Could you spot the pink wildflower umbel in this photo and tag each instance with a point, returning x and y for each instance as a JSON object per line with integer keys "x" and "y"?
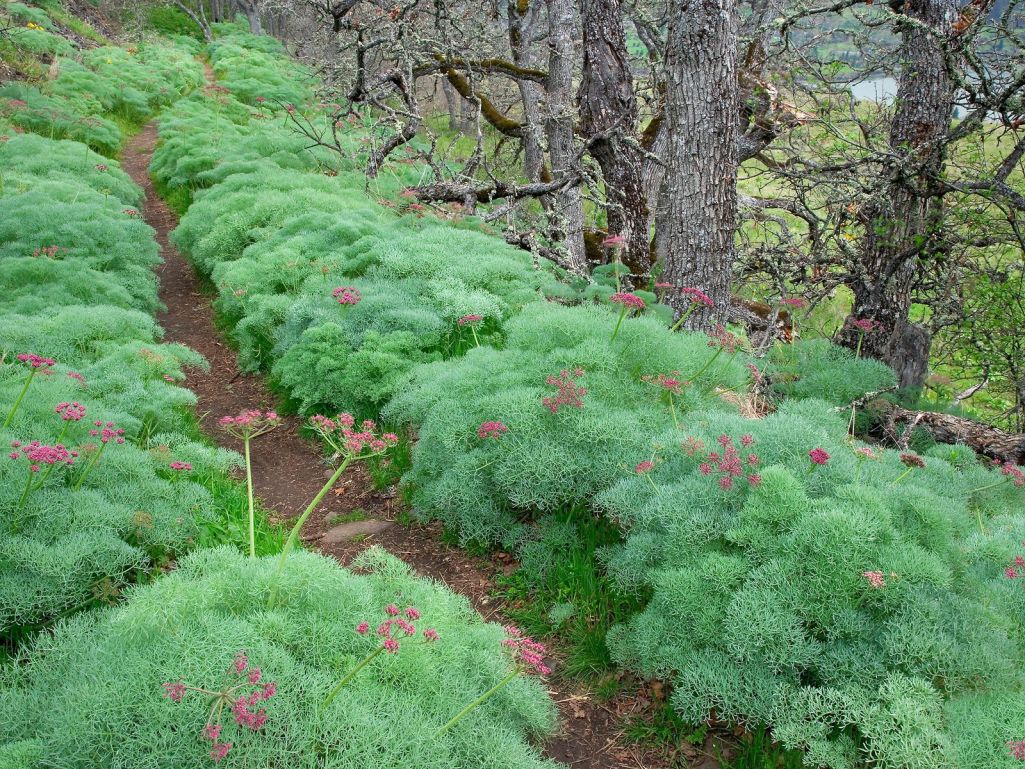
{"x": 347, "y": 295}
{"x": 38, "y": 455}
{"x": 246, "y": 426}
{"x": 491, "y": 429}
{"x": 37, "y": 364}
{"x": 1016, "y": 748}
{"x": 698, "y": 298}
{"x": 569, "y": 392}
{"x": 527, "y": 656}
{"x": 670, "y": 385}
{"x": 242, "y": 691}
{"x": 727, "y": 463}
{"x": 351, "y": 444}
{"x": 720, "y": 340}
{"x": 875, "y": 579}
{"x": 910, "y": 461}
{"x": 395, "y": 630}
{"x": 471, "y": 322}
{"x": 106, "y": 432}
{"x": 818, "y": 456}
{"x": 628, "y": 302}
{"x": 864, "y": 326}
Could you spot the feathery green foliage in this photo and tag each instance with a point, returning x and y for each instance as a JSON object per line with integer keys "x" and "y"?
{"x": 93, "y": 694}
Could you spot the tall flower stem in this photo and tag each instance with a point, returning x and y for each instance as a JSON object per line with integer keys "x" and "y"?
{"x": 349, "y": 676}
{"x": 89, "y": 467}
{"x": 683, "y": 316}
{"x": 293, "y": 536}
{"x": 20, "y": 398}
{"x": 861, "y": 338}
{"x": 25, "y": 491}
{"x": 476, "y": 703}
{"x": 249, "y": 495}
{"x": 672, "y": 410}
{"x": 991, "y": 485}
{"x": 708, "y": 363}
{"x": 615, "y": 331}
{"x": 476, "y": 341}
{"x": 901, "y": 476}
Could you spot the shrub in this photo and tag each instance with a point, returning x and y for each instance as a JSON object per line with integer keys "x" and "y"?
{"x": 546, "y": 460}
{"x": 847, "y": 605}
{"x": 96, "y": 694}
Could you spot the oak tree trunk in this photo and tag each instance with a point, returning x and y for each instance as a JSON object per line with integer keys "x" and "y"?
{"x": 608, "y": 116}
{"x": 698, "y": 211}
{"x": 568, "y": 212}
{"x": 903, "y": 226}
{"x": 521, "y": 18}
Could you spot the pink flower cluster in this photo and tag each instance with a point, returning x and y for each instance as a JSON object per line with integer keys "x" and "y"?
{"x": 875, "y": 579}
{"x": 912, "y": 460}
{"x": 50, "y": 252}
{"x": 819, "y": 456}
{"x": 1017, "y": 567}
{"x": 793, "y": 301}
{"x": 78, "y": 377}
{"x": 1014, "y": 473}
{"x": 38, "y": 454}
{"x": 729, "y": 465}
{"x": 250, "y": 423}
{"x": 723, "y": 339}
{"x": 569, "y": 393}
{"x": 70, "y": 412}
{"x": 492, "y": 429}
{"x": 341, "y": 434}
{"x": 108, "y": 431}
{"x": 36, "y": 361}
{"x": 101, "y": 167}
{"x": 241, "y": 677}
{"x": 756, "y": 375}
{"x": 628, "y": 300}
{"x": 644, "y": 467}
{"x": 347, "y": 295}
{"x": 1017, "y": 749}
{"x": 669, "y": 382}
{"x": 614, "y": 240}
{"x": 867, "y": 326}
{"x": 468, "y": 320}
{"x": 397, "y": 626}
{"x": 697, "y": 296}
{"x": 131, "y": 212}
{"x": 180, "y": 466}
{"x": 527, "y": 653}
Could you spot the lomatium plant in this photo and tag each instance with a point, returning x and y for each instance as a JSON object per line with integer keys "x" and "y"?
{"x": 527, "y": 657}
{"x": 628, "y": 302}
{"x": 398, "y": 625}
{"x": 246, "y": 426}
{"x": 351, "y": 445}
{"x": 38, "y": 455}
{"x": 698, "y": 298}
{"x": 106, "y": 432}
{"x": 36, "y": 365}
{"x": 243, "y": 690}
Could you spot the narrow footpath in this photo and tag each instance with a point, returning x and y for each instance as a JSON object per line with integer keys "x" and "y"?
{"x": 289, "y": 470}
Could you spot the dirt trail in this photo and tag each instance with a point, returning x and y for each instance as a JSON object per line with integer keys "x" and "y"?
{"x": 288, "y": 471}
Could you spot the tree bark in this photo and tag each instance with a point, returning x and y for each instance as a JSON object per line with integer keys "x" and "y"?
{"x": 521, "y": 19}
{"x": 903, "y": 226}
{"x": 697, "y": 217}
{"x": 251, "y": 8}
{"x": 568, "y": 212}
{"x": 608, "y": 116}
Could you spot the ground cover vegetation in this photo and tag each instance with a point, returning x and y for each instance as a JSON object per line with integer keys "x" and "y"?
{"x": 105, "y": 481}
{"x": 862, "y": 602}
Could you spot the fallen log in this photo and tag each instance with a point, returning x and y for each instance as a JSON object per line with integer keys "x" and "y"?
{"x": 946, "y": 428}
